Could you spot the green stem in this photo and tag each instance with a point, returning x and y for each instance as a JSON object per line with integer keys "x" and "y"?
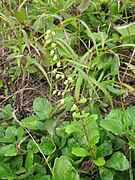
{"x": 130, "y": 169}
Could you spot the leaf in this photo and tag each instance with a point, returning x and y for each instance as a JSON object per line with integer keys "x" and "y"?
{"x": 104, "y": 149}
{"x": 63, "y": 169}
{"x": 78, "y": 87}
{"x": 32, "y": 146}
{"x": 32, "y": 69}
{"x": 129, "y": 117}
{"x": 8, "y": 112}
{"x": 31, "y": 122}
{"x": 81, "y": 152}
{"x": 26, "y": 39}
{"x": 29, "y": 160}
{"x": 118, "y": 92}
{"x": 21, "y": 170}
{"x": 40, "y": 67}
{"x": 113, "y": 122}
{"x": 10, "y": 132}
{"x": 37, "y": 24}
{"x": 84, "y": 5}
{"x": 29, "y": 172}
{"x": 100, "y": 161}
{"x": 4, "y": 169}
{"x": 47, "y": 146}
{"x": 131, "y": 66}
{"x": 42, "y": 107}
{"x": 20, "y": 15}
{"x": 5, "y": 148}
{"x": 74, "y": 126}
{"x": 92, "y": 130}
{"x": 118, "y": 161}
{"x": 126, "y": 30}
{"x": 106, "y": 173}
{"x": 11, "y": 152}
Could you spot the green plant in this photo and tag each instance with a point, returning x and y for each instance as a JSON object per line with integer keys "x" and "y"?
{"x": 74, "y": 61}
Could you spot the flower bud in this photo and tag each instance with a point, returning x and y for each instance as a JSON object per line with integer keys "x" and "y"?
{"x": 70, "y": 79}
{"x": 51, "y": 52}
{"x": 53, "y": 45}
{"x": 62, "y": 76}
{"x": 54, "y": 92}
{"x": 74, "y": 106}
{"x": 47, "y": 37}
{"x": 63, "y": 93}
{"x": 66, "y": 82}
{"x": 54, "y": 71}
{"x": 59, "y": 93}
{"x": 48, "y": 31}
{"x": 58, "y": 64}
{"x": 53, "y": 33}
{"x": 55, "y": 57}
{"x": 62, "y": 101}
{"x": 57, "y": 76}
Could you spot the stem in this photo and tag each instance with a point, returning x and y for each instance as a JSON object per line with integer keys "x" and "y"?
{"x": 46, "y": 160}
{"x": 130, "y": 161}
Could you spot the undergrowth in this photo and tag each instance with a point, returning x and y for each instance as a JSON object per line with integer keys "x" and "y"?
{"x": 67, "y": 89}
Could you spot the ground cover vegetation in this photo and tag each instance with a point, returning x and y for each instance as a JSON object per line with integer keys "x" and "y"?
{"x": 67, "y": 89}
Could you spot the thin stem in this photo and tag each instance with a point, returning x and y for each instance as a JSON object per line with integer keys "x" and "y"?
{"x": 14, "y": 116}
{"x": 130, "y": 161}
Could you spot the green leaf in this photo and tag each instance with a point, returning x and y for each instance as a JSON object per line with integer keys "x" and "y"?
{"x": 63, "y": 169}
{"x": 29, "y": 160}
{"x": 1, "y": 83}
{"x": 4, "y": 169}
{"x": 11, "y": 152}
{"x": 106, "y": 173}
{"x": 32, "y": 146}
{"x": 100, "y": 161}
{"x": 10, "y": 132}
{"x": 129, "y": 117}
{"x": 74, "y": 126}
{"x": 30, "y": 122}
{"x": 84, "y": 5}
{"x": 5, "y": 148}
{"x": 104, "y": 149}
{"x": 126, "y": 30}
{"x": 29, "y": 172}
{"x": 118, "y": 92}
{"x": 113, "y": 122}
{"x": 32, "y": 69}
{"x": 118, "y": 161}
{"x": 92, "y": 130}
{"x": 20, "y": 15}
{"x": 42, "y": 107}
{"x": 47, "y": 146}
{"x": 8, "y": 112}
{"x": 37, "y": 24}
{"x": 21, "y": 170}
{"x": 81, "y": 152}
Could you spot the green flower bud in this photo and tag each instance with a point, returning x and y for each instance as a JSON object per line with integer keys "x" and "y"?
{"x": 57, "y": 76}
{"x": 55, "y": 57}
{"x": 53, "y": 45}
{"x": 48, "y": 31}
{"x": 54, "y": 92}
{"x": 54, "y": 71}
{"x": 53, "y": 33}
{"x": 51, "y": 52}
{"x": 62, "y": 76}
{"x": 58, "y": 64}
{"x": 70, "y": 79}
{"x": 59, "y": 93}
{"x": 66, "y": 82}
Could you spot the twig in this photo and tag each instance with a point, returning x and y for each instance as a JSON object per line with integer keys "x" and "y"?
{"x": 14, "y": 116}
